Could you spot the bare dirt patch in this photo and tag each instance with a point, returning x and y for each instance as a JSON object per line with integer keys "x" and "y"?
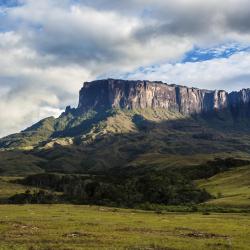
{"x": 76, "y": 235}
{"x": 142, "y": 230}
{"x": 150, "y": 247}
{"x": 203, "y": 235}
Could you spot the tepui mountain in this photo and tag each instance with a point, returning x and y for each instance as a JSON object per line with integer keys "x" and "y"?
{"x": 120, "y": 123}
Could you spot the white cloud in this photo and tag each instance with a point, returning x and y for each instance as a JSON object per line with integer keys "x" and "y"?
{"x": 30, "y": 87}
{"x": 22, "y": 110}
{"x": 48, "y": 48}
{"x": 230, "y": 74}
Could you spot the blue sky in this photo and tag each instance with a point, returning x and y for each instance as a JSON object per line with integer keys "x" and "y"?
{"x": 9, "y": 3}
{"x": 6, "y": 4}
{"x": 221, "y": 51}
{"x": 49, "y": 48}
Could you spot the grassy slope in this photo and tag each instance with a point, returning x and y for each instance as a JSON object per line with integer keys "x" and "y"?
{"x": 31, "y": 136}
{"x": 8, "y": 189}
{"x": 161, "y": 138}
{"x": 47, "y": 129}
{"x": 232, "y": 188}
{"x": 83, "y": 227}
{"x": 19, "y": 163}
{"x": 178, "y": 160}
{"x": 140, "y": 137}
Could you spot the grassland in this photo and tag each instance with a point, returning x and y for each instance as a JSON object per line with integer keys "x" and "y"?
{"x": 83, "y": 227}
{"x": 66, "y": 227}
{"x": 18, "y": 163}
{"x": 156, "y": 139}
{"x": 232, "y": 188}
{"x": 176, "y": 160}
{"x": 49, "y": 227}
{"x": 8, "y": 189}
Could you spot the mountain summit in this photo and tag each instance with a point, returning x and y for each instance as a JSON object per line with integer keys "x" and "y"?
{"x": 126, "y": 94}
{"x": 121, "y": 122}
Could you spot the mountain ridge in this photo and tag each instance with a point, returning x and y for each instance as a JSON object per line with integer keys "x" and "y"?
{"x": 98, "y": 98}
{"x": 126, "y": 94}
{"x": 115, "y": 125}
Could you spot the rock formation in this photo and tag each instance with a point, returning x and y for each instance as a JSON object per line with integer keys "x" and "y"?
{"x": 110, "y": 93}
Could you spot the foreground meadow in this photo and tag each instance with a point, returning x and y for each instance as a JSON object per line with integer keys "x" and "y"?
{"x": 85, "y": 227}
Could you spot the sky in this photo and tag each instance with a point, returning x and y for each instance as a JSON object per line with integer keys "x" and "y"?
{"x": 48, "y": 48}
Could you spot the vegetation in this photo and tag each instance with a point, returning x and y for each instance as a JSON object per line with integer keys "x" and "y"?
{"x": 212, "y": 167}
{"x": 97, "y": 141}
{"x": 156, "y": 187}
{"x": 8, "y": 188}
{"x": 39, "y": 132}
{"x": 41, "y": 227}
{"x": 143, "y": 159}
{"x": 35, "y": 197}
{"x": 140, "y": 187}
{"x": 231, "y": 188}
{"x": 15, "y": 163}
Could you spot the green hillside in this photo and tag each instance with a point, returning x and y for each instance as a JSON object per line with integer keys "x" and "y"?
{"x": 7, "y": 188}
{"x": 26, "y": 139}
{"x": 231, "y": 188}
{"x": 133, "y": 141}
{"x": 97, "y": 141}
{"x": 19, "y": 163}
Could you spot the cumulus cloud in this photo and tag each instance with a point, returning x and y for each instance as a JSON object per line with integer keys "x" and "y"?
{"x": 232, "y": 73}
{"x": 30, "y": 87}
{"x": 48, "y": 48}
{"x": 19, "y": 110}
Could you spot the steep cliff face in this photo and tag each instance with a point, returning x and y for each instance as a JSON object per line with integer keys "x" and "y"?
{"x": 110, "y": 93}
{"x": 241, "y": 97}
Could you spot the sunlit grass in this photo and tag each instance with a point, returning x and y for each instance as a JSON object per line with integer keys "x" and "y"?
{"x": 8, "y": 189}
{"x": 85, "y": 227}
{"x": 232, "y": 188}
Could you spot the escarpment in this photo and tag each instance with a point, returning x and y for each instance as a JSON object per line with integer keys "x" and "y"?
{"x": 125, "y": 94}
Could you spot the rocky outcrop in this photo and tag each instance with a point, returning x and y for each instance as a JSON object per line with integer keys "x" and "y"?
{"x": 111, "y": 93}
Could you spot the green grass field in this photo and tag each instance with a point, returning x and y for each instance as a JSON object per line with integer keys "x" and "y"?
{"x": 84, "y": 227}
{"x": 66, "y": 227}
{"x": 8, "y": 189}
{"x": 49, "y": 227}
{"x": 232, "y": 188}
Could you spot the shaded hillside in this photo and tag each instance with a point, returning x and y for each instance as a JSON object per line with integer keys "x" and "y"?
{"x": 19, "y": 163}
{"x": 120, "y": 138}
{"x": 231, "y": 188}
